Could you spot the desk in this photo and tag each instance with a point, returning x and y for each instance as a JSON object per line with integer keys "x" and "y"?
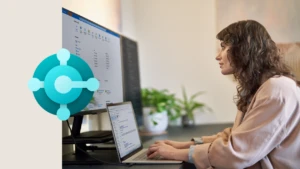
{"x": 173, "y": 133}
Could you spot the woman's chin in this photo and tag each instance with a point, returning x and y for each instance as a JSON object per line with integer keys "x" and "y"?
{"x": 226, "y": 72}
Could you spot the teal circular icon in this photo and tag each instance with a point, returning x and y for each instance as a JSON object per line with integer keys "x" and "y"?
{"x": 63, "y": 80}
{"x": 58, "y": 83}
{"x": 63, "y": 84}
{"x": 63, "y": 113}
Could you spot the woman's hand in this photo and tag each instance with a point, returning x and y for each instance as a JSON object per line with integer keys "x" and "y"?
{"x": 178, "y": 145}
{"x": 160, "y": 148}
{"x": 166, "y": 151}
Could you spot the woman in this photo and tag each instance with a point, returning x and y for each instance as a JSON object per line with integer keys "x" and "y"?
{"x": 266, "y": 130}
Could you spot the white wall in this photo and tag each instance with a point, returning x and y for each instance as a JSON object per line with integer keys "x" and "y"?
{"x": 128, "y": 18}
{"x": 177, "y": 47}
{"x": 103, "y": 12}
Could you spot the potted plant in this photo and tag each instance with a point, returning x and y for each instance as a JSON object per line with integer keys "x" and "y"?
{"x": 189, "y": 106}
{"x": 157, "y": 106}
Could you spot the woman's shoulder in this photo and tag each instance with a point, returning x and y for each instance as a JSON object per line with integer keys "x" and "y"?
{"x": 279, "y": 81}
{"x": 278, "y": 86}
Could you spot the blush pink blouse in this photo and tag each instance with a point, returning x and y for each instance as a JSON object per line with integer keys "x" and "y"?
{"x": 267, "y": 136}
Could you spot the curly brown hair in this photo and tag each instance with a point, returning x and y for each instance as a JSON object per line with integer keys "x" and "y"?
{"x": 254, "y": 57}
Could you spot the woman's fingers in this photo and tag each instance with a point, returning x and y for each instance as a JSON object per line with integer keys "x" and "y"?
{"x": 151, "y": 150}
{"x": 153, "y": 155}
{"x": 156, "y": 144}
{"x": 159, "y": 142}
{"x": 153, "y": 145}
{"x": 168, "y": 142}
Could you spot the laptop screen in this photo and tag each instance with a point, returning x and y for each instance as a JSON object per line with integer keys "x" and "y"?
{"x": 124, "y": 128}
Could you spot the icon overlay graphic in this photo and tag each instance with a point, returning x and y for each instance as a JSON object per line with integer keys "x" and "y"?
{"x": 63, "y": 84}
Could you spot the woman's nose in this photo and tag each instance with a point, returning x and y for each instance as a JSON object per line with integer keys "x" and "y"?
{"x": 218, "y": 57}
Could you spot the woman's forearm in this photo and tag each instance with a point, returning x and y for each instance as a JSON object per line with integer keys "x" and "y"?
{"x": 187, "y": 144}
{"x": 181, "y": 154}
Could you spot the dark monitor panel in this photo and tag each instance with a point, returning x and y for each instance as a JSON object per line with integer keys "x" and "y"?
{"x": 131, "y": 75}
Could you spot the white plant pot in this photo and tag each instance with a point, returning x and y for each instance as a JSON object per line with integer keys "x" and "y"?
{"x": 161, "y": 119}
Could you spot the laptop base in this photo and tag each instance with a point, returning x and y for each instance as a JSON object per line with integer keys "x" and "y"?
{"x": 132, "y": 160}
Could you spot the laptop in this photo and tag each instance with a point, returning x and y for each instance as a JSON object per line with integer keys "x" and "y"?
{"x": 126, "y": 136}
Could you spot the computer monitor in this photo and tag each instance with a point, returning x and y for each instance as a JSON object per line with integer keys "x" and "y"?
{"x": 100, "y": 48}
{"x": 131, "y": 80}
{"x": 113, "y": 59}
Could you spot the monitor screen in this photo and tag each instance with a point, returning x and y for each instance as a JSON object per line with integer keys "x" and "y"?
{"x": 101, "y": 49}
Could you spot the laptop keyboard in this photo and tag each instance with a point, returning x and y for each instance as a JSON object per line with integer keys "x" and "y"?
{"x": 143, "y": 157}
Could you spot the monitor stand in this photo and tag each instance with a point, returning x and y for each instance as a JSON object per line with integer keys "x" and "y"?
{"x": 90, "y": 137}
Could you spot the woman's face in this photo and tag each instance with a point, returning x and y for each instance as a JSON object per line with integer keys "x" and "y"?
{"x": 223, "y": 60}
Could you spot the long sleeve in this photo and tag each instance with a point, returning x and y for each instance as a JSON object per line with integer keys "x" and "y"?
{"x": 226, "y": 131}
{"x": 210, "y": 139}
{"x": 263, "y": 128}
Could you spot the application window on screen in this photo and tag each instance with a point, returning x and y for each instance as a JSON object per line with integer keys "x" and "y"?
{"x": 125, "y": 129}
{"x": 100, "y": 48}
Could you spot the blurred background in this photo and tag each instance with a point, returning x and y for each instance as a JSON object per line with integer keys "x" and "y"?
{"x": 177, "y": 45}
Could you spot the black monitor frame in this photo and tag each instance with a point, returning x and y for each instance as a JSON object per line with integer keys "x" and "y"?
{"x": 138, "y": 114}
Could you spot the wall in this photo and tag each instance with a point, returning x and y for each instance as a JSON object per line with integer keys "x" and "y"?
{"x": 128, "y": 18}
{"x": 103, "y": 12}
{"x": 177, "y": 47}
{"x": 280, "y": 17}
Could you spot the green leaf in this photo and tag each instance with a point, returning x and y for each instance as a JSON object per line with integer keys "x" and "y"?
{"x": 196, "y": 95}
{"x": 196, "y": 105}
{"x": 184, "y": 95}
{"x": 154, "y": 122}
{"x": 151, "y": 112}
{"x": 191, "y": 115}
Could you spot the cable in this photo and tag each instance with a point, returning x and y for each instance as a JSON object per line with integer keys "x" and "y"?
{"x": 104, "y": 162}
